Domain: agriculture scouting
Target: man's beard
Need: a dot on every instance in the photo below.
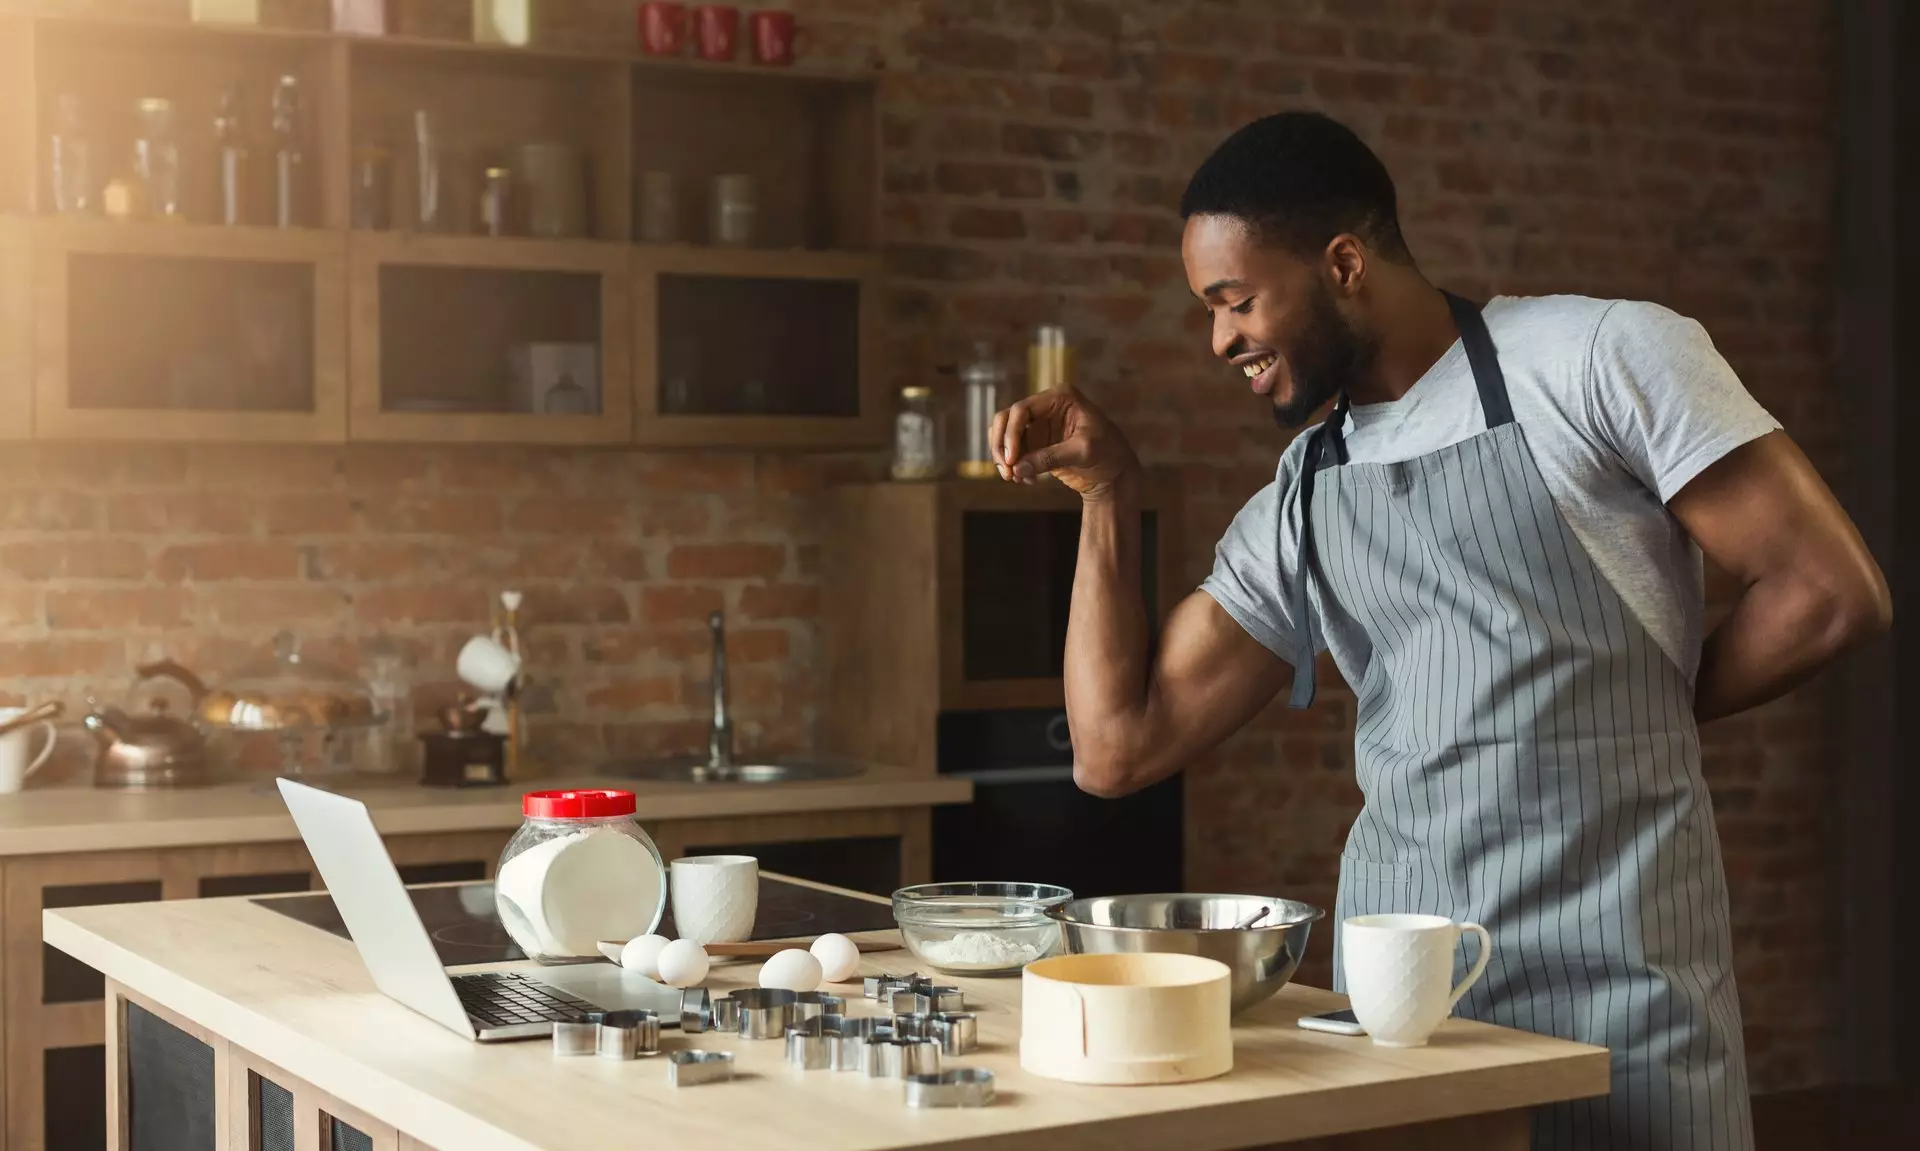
(1327, 357)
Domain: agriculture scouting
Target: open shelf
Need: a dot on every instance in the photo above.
(18, 142)
(495, 109)
(757, 347)
(466, 339)
(182, 331)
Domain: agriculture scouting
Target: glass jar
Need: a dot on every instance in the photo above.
(734, 209)
(985, 380)
(496, 202)
(71, 159)
(388, 746)
(156, 159)
(1049, 360)
(307, 704)
(580, 870)
(916, 450)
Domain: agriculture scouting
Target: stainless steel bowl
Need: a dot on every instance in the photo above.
(1263, 957)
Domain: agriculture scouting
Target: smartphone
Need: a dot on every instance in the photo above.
(1338, 1022)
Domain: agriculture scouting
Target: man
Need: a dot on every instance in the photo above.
(1497, 534)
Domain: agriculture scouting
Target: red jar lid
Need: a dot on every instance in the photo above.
(596, 803)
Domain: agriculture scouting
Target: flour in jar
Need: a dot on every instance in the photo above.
(559, 898)
(981, 950)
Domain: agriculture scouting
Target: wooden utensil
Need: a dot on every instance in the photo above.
(53, 709)
(1126, 1018)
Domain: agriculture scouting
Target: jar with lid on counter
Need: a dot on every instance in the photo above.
(579, 870)
(916, 448)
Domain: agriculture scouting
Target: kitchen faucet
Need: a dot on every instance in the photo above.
(720, 734)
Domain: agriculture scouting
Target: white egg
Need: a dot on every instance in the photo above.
(839, 957)
(683, 963)
(643, 955)
(792, 969)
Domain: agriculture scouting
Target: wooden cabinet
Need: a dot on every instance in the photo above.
(16, 329)
(470, 339)
(612, 266)
(188, 332)
(758, 348)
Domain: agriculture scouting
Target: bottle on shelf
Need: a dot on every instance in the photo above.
(70, 159)
(231, 163)
(985, 381)
(1049, 360)
(916, 448)
(289, 156)
(156, 160)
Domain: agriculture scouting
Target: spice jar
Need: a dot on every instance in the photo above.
(734, 207)
(1049, 360)
(156, 159)
(916, 453)
(579, 870)
(985, 381)
(70, 159)
(372, 188)
(495, 202)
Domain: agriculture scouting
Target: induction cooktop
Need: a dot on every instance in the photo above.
(466, 929)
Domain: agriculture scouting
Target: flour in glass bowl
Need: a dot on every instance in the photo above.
(983, 950)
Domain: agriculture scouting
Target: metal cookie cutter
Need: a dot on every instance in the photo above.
(696, 1011)
(898, 1057)
(814, 1004)
(690, 1068)
(880, 987)
(958, 1033)
(850, 1038)
(765, 1012)
(955, 1087)
(726, 1015)
(576, 1036)
(927, 999)
(808, 1046)
(913, 1026)
(627, 1034)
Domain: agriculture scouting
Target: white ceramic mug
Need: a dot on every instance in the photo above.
(15, 762)
(487, 664)
(714, 897)
(1399, 971)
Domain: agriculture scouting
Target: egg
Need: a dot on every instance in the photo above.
(792, 969)
(839, 957)
(643, 955)
(683, 963)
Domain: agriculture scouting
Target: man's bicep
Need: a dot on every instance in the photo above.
(1210, 676)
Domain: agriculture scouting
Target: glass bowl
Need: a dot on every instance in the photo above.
(979, 928)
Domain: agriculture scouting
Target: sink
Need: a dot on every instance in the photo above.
(697, 769)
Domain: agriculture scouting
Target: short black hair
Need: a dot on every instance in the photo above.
(1300, 179)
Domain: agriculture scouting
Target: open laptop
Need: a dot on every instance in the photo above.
(399, 954)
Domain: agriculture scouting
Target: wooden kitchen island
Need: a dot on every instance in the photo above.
(279, 1010)
(77, 846)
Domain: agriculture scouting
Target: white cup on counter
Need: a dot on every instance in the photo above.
(715, 897)
(1399, 971)
(487, 664)
(17, 761)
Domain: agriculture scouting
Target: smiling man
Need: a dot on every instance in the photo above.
(1497, 533)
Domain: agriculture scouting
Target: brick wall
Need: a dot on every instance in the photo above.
(1675, 150)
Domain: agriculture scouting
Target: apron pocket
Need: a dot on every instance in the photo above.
(1375, 871)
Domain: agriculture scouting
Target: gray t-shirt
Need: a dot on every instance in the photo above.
(1622, 404)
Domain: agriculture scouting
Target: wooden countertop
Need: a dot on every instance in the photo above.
(68, 819)
(302, 1000)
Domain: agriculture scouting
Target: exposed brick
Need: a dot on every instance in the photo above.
(19, 606)
(679, 603)
(404, 604)
(432, 515)
(113, 609)
(968, 223)
(80, 559)
(637, 694)
(726, 561)
(1049, 142)
(229, 560)
(252, 605)
(307, 515)
(749, 645)
(1008, 181)
(43, 510)
(178, 513)
(1070, 100)
(573, 516)
(1062, 227)
(55, 658)
(780, 601)
(576, 603)
(964, 48)
(925, 262)
(1304, 38)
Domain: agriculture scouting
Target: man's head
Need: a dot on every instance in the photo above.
(1284, 223)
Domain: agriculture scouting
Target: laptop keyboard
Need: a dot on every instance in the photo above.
(503, 999)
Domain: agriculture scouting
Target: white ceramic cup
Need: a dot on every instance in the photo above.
(487, 664)
(1399, 971)
(15, 762)
(714, 897)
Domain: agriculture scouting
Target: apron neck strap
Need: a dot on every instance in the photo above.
(1487, 378)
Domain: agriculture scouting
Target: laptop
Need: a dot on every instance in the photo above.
(399, 954)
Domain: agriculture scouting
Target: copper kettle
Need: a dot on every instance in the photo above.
(151, 749)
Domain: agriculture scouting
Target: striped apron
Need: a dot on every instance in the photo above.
(1529, 761)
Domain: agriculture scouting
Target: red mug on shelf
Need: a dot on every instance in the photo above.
(772, 34)
(718, 27)
(663, 28)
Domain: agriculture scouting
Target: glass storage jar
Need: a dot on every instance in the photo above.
(580, 870)
(916, 445)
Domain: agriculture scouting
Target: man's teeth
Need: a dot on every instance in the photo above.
(1255, 369)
